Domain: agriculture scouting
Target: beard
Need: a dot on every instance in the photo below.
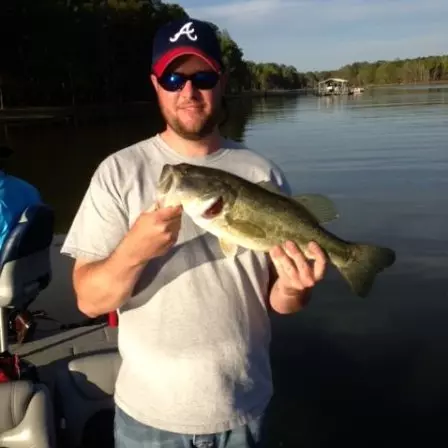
(203, 127)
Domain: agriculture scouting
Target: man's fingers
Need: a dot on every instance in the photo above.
(319, 268)
(295, 268)
(305, 272)
(168, 213)
(285, 267)
(316, 250)
(320, 260)
(277, 255)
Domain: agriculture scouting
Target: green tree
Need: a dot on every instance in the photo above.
(62, 52)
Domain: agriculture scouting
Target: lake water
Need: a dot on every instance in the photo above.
(347, 370)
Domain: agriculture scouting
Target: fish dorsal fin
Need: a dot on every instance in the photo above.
(320, 206)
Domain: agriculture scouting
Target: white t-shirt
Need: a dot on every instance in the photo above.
(194, 337)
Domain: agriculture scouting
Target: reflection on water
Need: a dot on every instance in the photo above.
(347, 370)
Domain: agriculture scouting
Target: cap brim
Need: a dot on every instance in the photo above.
(160, 66)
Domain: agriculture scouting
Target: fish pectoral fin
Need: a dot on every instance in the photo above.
(247, 228)
(320, 206)
(228, 249)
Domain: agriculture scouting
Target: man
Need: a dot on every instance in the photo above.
(194, 331)
(15, 196)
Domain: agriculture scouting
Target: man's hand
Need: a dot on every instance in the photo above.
(154, 232)
(104, 285)
(296, 275)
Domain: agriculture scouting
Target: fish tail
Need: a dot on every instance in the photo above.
(365, 263)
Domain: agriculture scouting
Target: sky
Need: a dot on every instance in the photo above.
(327, 34)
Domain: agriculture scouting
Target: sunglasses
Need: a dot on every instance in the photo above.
(200, 80)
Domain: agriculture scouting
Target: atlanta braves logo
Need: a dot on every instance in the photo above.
(186, 30)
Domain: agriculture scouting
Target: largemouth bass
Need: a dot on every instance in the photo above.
(259, 217)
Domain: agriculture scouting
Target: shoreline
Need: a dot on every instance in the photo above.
(418, 83)
(100, 110)
(32, 114)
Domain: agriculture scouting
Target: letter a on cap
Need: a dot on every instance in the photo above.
(186, 30)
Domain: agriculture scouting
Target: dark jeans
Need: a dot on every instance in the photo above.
(130, 433)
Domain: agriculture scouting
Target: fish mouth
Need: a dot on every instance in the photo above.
(213, 209)
(175, 186)
(166, 179)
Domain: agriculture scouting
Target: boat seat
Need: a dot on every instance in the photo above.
(85, 406)
(26, 416)
(25, 267)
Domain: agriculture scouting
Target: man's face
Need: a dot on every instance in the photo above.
(190, 112)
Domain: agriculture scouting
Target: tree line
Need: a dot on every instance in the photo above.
(71, 52)
(400, 71)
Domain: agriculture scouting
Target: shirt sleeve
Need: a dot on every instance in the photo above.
(278, 178)
(101, 221)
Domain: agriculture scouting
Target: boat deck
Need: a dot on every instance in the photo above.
(52, 346)
(48, 351)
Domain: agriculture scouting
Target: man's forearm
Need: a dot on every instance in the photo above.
(103, 286)
(285, 301)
